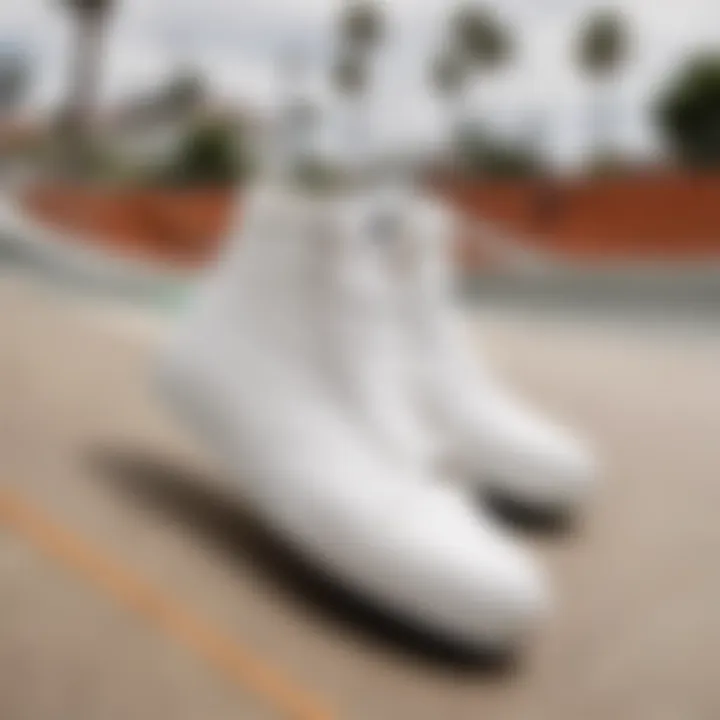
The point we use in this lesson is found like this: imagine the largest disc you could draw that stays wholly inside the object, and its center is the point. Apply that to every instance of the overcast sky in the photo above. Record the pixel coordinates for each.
(237, 41)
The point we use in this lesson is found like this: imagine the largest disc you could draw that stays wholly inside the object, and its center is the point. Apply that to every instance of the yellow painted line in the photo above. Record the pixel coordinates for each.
(232, 661)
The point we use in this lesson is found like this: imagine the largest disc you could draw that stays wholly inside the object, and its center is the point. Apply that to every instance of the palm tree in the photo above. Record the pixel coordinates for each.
(91, 18)
(361, 25)
(448, 73)
(481, 35)
(350, 74)
(602, 49)
(360, 31)
(479, 43)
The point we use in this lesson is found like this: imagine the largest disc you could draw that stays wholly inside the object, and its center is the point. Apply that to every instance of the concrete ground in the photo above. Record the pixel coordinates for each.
(120, 565)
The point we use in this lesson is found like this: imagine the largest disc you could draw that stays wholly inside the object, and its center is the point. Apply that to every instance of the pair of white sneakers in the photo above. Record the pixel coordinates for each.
(321, 363)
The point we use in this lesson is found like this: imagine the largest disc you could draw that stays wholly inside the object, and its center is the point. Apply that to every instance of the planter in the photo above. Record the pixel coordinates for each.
(652, 217)
(183, 228)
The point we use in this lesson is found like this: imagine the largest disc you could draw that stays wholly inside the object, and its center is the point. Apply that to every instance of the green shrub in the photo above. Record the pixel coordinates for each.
(481, 153)
(210, 154)
(688, 112)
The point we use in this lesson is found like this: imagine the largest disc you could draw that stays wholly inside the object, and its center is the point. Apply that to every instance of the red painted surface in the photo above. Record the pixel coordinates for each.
(654, 217)
(180, 227)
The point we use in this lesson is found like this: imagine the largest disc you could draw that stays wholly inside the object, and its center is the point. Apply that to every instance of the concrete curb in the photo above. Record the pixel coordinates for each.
(27, 244)
(684, 287)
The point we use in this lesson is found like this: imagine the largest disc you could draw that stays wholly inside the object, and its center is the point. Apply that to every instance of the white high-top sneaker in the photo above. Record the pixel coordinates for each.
(253, 371)
(490, 436)
(366, 356)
